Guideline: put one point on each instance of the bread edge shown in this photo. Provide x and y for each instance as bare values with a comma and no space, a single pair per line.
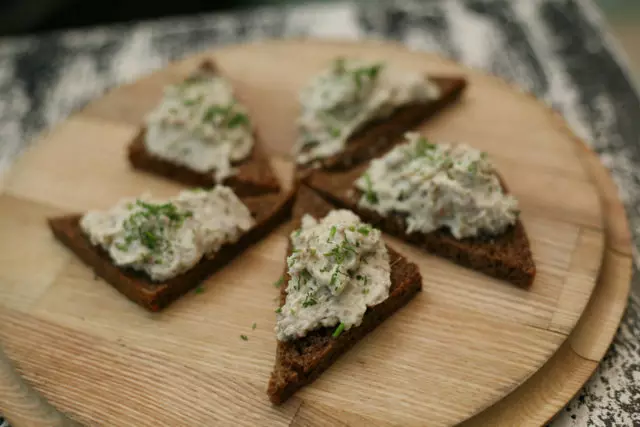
139,288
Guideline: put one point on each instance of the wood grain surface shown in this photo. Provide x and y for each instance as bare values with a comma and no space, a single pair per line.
460,347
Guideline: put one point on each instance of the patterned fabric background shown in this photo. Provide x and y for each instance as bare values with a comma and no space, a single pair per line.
557,49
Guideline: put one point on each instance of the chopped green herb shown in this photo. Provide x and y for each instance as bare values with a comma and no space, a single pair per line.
334,132
237,120
279,282
344,274
338,330
305,275
244,337
334,277
149,239
189,102
352,228
423,147
369,72
365,291
370,195
199,290
332,233
122,247
340,252
363,278
309,301
347,246
373,71
364,230
253,327
298,232
216,110
279,310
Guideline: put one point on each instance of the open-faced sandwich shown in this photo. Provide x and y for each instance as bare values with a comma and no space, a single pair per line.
341,281
447,199
357,109
154,251
201,135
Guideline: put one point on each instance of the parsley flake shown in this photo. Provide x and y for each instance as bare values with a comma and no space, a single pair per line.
279,282
309,301
338,330
214,111
244,337
423,147
370,195
334,132
238,119
364,230
332,233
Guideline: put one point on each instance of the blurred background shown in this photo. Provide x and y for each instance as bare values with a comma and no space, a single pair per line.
18,17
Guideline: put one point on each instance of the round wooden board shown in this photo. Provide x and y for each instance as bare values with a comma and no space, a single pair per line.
463,346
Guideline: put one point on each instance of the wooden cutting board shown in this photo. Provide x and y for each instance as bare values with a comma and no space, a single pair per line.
462,345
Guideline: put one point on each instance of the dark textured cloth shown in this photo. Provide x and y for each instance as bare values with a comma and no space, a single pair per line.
558,49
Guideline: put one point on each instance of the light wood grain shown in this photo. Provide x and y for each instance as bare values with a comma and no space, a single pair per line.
461,346
24,405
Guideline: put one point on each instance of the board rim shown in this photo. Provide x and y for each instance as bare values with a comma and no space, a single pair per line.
24,398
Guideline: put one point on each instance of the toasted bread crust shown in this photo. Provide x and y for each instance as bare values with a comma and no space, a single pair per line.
507,256
381,135
253,178
301,361
268,211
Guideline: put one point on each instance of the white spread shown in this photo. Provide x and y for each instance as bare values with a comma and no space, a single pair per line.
338,268
166,238
438,185
350,94
200,124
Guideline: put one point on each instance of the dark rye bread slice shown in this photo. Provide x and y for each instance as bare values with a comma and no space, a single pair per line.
507,256
254,174
301,361
268,210
380,135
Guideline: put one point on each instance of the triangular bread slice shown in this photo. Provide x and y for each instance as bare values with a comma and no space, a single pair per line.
507,256
381,135
301,361
254,174
268,210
